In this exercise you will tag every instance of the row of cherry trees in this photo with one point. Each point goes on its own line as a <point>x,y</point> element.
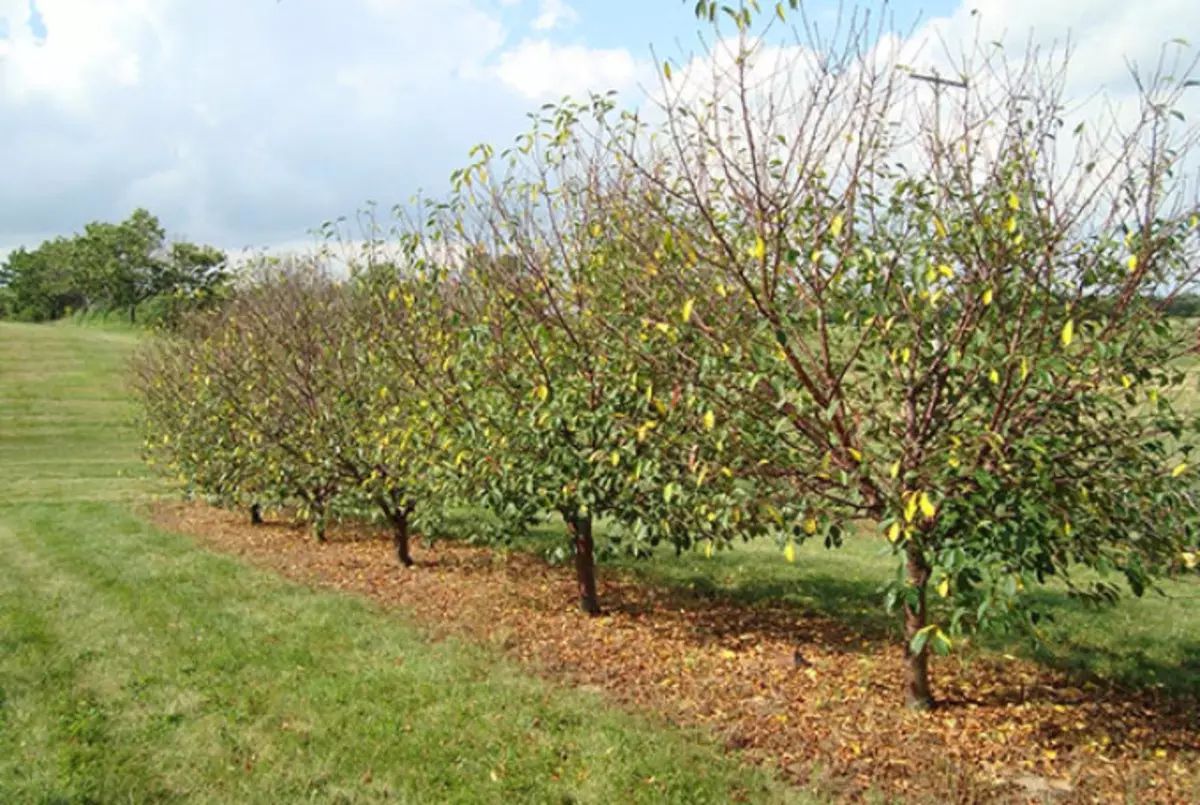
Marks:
<point>802,297</point>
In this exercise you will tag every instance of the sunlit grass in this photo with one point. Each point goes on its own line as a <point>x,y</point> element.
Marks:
<point>135,667</point>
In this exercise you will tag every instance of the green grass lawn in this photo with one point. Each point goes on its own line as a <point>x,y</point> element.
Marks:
<point>135,667</point>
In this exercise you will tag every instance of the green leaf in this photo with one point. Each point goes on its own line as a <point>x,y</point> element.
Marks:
<point>917,644</point>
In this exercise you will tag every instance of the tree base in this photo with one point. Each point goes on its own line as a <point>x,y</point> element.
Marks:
<point>919,704</point>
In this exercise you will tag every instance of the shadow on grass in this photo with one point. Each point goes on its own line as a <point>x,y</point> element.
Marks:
<point>1088,642</point>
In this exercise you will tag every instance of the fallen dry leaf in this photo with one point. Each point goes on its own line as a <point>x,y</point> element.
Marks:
<point>1007,731</point>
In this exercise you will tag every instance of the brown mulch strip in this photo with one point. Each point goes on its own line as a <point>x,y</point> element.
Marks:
<point>1008,731</point>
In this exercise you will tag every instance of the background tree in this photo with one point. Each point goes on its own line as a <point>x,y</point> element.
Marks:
<point>131,262</point>
<point>42,283</point>
<point>114,266</point>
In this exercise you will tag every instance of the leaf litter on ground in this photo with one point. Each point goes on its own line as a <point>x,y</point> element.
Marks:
<point>795,691</point>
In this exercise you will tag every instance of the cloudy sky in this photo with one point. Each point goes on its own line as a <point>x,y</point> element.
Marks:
<point>248,122</point>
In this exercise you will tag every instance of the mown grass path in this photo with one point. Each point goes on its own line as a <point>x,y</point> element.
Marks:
<point>136,667</point>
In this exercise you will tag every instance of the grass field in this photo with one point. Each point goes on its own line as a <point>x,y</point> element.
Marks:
<point>135,667</point>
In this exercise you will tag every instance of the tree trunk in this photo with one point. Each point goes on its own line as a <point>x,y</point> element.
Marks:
<point>400,536</point>
<point>133,313</point>
<point>256,514</point>
<point>916,679</point>
<point>585,562</point>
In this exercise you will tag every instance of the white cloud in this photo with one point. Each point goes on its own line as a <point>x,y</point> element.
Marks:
<point>249,122</point>
<point>554,14</point>
<point>541,70</point>
<point>241,123</point>
<point>94,44</point>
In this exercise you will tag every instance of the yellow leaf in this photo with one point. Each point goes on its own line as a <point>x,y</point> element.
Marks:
<point>987,296</point>
<point>946,271</point>
<point>1068,333</point>
<point>1190,559</point>
<point>855,454</point>
<point>667,70</point>
<point>1024,368</point>
<point>910,508</point>
<point>954,462</point>
<point>728,655</point>
<point>708,548</point>
<point>686,313</point>
<point>943,588</point>
<point>596,230</point>
<point>392,294</point>
<point>1014,203</point>
<point>939,227</point>
<point>835,226</point>
<point>1152,395</point>
<point>994,376</point>
<point>789,553</point>
<point>927,507</point>
<point>1050,754</point>
<point>1010,225</point>
<point>1126,381</point>
<point>710,420</point>
<point>615,458</point>
<point>905,354</point>
<point>1067,528</point>
<point>383,392</point>
<point>895,472</point>
<point>542,392</point>
<point>1180,470</point>
<point>810,526</point>
<point>1132,262</point>
<point>1195,222</point>
<point>760,249</point>
<point>815,256</point>
<point>893,532</point>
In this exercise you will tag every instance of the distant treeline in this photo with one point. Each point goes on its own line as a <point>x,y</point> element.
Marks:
<point>1184,306</point>
<point>126,267</point>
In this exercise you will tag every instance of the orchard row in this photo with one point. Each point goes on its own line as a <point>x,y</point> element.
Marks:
<point>760,317</point>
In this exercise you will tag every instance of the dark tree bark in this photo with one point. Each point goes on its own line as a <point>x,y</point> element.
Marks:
<point>400,536</point>
<point>256,517</point>
<point>585,562</point>
<point>917,693</point>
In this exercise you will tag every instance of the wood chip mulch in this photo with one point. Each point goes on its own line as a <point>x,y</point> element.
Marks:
<point>1007,730</point>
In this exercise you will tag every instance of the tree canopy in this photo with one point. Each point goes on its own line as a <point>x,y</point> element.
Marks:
<point>112,267</point>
